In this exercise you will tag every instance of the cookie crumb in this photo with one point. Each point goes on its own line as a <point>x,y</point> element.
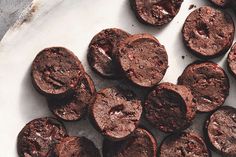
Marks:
<point>192,6</point>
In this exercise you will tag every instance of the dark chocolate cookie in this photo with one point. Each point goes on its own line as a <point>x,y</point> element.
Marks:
<point>143,60</point>
<point>170,107</point>
<point>75,107</point>
<point>209,84</point>
<point>101,49</point>
<point>221,131</point>
<point>220,3</point>
<point>232,61</point>
<point>75,147</point>
<point>56,71</point>
<point>116,113</point>
<point>208,32</point>
<point>155,12</point>
<point>187,144</point>
<point>39,137</point>
<point>140,144</point>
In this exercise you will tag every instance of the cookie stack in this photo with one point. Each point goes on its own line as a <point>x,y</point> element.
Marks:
<point>138,60</point>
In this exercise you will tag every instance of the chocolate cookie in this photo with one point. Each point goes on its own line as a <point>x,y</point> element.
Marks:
<point>155,12</point>
<point>75,147</point>
<point>116,113</point>
<point>232,61</point>
<point>75,107</point>
<point>56,71</point>
<point>170,107</point>
<point>220,3</point>
<point>209,84</point>
<point>101,49</point>
<point>221,128</point>
<point>39,137</point>
<point>143,60</point>
<point>140,144</point>
<point>187,144</point>
<point>208,32</point>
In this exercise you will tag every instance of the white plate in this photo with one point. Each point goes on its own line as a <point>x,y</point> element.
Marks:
<point>72,23</point>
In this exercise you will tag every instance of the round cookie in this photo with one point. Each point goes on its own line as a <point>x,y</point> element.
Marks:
<point>101,48</point>
<point>170,107</point>
<point>140,144</point>
<point>116,113</point>
<point>209,84</point>
<point>221,128</point>
<point>56,71</point>
<point>75,147</point>
<point>232,61</point>
<point>75,107</point>
<point>143,60</point>
<point>155,12</point>
<point>220,3</point>
<point>187,144</point>
<point>39,137</point>
<point>208,32</point>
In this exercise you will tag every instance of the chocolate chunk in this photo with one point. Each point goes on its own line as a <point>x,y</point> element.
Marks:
<point>170,107</point>
<point>101,49</point>
<point>75,107</point>
<point>209,84</point>
<point>208,32</point>
<point>75,147</point>
<point>187,144</point>
<point>39,137</point>
<point>140,144</point>
<point>143,60</point>
<point>155,12</point>
<point>56,71</point>
<point>221,131</point>
<point>232,61</point>
<point>220,3</point>
<point>116,113</point>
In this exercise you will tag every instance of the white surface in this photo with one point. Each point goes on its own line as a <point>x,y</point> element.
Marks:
<point>72,23</point>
